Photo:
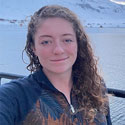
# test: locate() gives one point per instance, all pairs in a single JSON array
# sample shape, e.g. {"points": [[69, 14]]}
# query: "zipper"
{"points": [[72, 108], [70, 105]]}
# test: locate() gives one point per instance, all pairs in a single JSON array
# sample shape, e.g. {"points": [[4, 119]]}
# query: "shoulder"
{"points": [[19, 86], [17, 98]]}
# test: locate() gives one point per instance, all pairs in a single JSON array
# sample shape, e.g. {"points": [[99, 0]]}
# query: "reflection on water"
{"points": [[108, 43]]}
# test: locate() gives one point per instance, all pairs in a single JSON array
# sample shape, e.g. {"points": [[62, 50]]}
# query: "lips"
{"points": [[61, 59]]}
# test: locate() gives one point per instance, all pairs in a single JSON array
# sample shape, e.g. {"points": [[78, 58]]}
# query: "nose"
{"points": [[58, 49]]}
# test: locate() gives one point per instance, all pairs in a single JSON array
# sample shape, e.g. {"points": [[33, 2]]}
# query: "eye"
{"points": [[45, 42], [68, 40]]}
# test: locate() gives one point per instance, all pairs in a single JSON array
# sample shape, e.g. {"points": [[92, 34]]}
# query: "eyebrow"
{"points": [[45, 36], [66, 34]]}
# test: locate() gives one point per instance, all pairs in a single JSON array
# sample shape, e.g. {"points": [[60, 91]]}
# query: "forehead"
{"points": [[55, 23]]}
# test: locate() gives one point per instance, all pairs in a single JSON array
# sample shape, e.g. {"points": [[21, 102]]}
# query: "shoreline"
{"points": [[88, 30], [86, 25]]}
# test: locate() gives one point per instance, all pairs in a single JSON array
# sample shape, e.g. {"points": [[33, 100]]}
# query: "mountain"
{"points": [[92, 13]]}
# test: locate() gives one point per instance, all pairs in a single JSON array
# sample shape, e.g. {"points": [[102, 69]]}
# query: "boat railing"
{"points": [[112, 91], [9, 76]]}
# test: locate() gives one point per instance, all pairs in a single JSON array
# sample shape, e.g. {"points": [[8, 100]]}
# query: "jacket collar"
{"points": [[42, 80]]}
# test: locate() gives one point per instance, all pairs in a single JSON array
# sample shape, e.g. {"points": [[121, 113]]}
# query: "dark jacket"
{"points": [[33, 100]]}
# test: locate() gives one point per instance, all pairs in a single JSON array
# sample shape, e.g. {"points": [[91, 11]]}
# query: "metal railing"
{"points": [[114, 92], [9, 76]]}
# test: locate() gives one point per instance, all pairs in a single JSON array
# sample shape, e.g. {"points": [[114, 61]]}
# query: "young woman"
{"points": [[64, 87]]}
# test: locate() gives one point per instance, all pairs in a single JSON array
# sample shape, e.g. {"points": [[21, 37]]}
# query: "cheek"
{"points": [[43, 54], [74, 49]]}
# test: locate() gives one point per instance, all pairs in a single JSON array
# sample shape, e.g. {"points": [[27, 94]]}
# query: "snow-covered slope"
{"points": [[93, 13]]}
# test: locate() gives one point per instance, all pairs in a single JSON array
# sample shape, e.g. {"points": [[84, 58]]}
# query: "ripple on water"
{"points": [[117, 109]]}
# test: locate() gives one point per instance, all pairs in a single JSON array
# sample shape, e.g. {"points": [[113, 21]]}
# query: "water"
{"points": [[12, 42], [108, 44]]}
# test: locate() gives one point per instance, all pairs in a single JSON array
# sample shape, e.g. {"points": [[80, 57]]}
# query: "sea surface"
{"points": [[108, 45]]}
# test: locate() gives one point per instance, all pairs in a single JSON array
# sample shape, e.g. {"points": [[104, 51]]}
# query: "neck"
{"points": [[61, 81]]}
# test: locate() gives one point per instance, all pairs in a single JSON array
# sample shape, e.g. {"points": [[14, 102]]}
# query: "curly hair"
{"points": [[89, 89]]}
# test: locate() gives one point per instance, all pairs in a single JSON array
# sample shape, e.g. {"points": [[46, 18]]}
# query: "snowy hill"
{"points": [[93, 13]]}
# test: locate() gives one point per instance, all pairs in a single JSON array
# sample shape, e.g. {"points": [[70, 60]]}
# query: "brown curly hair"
{"points": [[89, 90]]}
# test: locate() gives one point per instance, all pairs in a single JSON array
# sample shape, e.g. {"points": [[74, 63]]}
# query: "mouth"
{"points": [[57, 60]]}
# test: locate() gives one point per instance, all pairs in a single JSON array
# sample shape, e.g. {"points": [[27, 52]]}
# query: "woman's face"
{"points": [[56, 45]]}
